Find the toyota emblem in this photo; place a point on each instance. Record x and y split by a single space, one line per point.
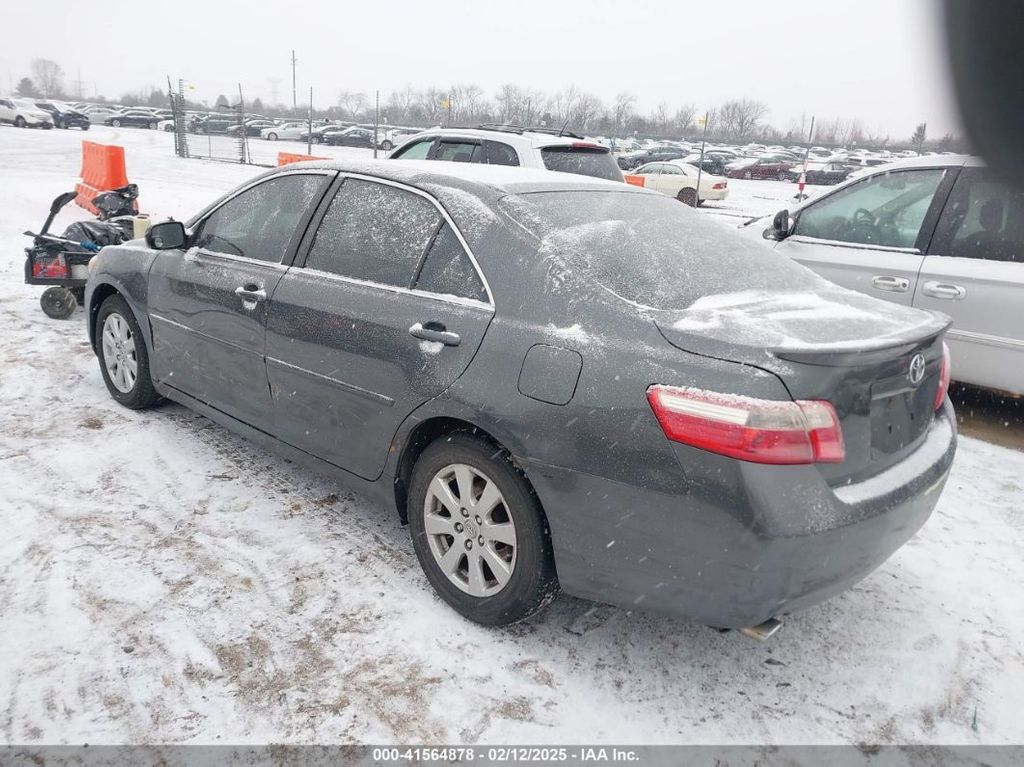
916 372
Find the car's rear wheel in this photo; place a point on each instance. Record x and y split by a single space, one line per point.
124 361
151 126
19 122
479 532
687 196
386 145
271 137
748 175
781 176
115 123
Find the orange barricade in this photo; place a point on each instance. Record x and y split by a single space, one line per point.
102 170
284 158
633 179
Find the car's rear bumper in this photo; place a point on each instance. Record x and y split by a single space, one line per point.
767 541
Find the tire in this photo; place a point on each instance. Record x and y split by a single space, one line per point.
781 176
151 126
386 145
79 294
19 122
501 599
271 137
687 196
748 175
85 127
115 123
58 303
133 391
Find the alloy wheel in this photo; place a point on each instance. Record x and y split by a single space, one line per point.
119 354
470 533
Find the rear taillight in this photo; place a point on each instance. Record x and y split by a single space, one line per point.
720 185
940 394
757 430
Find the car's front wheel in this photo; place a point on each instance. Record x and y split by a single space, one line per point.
19 122
115 123
479 532
386 145
124 361
271 137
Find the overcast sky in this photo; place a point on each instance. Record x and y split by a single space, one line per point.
876 60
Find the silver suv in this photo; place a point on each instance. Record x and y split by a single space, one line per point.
938 233
541 148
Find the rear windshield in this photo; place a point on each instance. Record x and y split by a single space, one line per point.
645 248
585 161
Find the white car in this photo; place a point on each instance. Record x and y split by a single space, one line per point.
290 131
97 113
510 145
679 179
166 125
24 114
936 233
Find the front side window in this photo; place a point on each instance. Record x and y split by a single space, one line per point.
983 218
447 269
374 232
260 222
416 151
885 210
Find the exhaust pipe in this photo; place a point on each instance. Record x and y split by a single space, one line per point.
762 632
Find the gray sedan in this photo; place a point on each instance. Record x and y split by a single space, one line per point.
554 379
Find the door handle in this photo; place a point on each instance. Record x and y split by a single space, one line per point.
434 331
250 294
891 284
945 290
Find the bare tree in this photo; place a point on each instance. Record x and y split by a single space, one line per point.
739 118
352 102
48 77
585 110
622 111
919 137
683 119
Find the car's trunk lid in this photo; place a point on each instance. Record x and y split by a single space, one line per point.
836 345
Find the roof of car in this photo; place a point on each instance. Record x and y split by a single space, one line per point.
933 161
534 138
487 181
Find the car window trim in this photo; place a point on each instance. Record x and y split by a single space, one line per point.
314 224
855 245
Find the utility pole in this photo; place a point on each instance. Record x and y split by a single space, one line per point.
309 135
295 100
700 163
376 123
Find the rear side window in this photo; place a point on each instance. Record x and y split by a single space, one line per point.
983 218
447 269
582 160
374 232
459 151
500 154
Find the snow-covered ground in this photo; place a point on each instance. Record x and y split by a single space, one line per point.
162 580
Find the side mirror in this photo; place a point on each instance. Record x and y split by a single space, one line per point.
167 235
782 225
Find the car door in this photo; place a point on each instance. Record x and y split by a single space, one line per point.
974 272
208 305
652 173
870 236
385 313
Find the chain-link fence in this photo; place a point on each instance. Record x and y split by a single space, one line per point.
212 136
